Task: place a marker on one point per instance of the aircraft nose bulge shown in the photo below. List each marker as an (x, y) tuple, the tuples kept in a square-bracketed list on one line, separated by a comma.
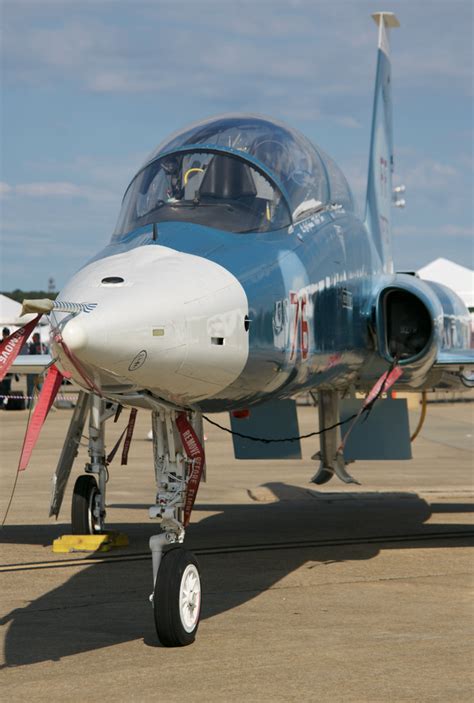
[(75, 336), (175, 327)]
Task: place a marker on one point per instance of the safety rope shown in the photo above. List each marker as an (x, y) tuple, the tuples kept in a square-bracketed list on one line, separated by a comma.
[(267, 440), (376, 392)]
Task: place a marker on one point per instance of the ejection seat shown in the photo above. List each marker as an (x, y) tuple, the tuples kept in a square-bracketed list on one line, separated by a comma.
[(228, 179)]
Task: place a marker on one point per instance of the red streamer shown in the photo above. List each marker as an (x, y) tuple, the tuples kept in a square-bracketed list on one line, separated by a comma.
[(48, 393), (128, 436), (195, 451), (385, 382), (10, 347)]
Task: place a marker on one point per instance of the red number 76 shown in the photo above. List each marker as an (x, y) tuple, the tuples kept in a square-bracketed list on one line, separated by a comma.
[(300, 325)]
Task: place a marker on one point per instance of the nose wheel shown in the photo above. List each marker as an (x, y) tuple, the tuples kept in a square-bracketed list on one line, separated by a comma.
[(177, 598), (85, 513)]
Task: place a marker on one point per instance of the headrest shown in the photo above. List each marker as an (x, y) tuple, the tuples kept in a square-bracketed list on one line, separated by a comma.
[(228, 178)]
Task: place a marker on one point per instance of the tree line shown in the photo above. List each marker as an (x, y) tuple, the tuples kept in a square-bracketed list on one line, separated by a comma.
[(20, 295)]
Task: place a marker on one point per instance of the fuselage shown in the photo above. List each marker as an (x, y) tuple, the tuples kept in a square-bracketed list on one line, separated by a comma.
[(240, 271), (214, 319)]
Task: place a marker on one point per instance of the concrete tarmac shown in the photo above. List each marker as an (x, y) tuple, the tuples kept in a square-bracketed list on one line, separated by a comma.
[(368, 598)]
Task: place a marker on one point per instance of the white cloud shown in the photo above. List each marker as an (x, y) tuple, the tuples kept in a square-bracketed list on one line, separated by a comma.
[(437, 190), (5, 188), (58, 189), (430, 174), (446, 230), (47, 190), (309, 62), (347, 121), (457, 231), (208, 43), (125, 80)]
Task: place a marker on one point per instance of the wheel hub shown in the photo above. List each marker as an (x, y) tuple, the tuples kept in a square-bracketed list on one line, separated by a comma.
[(190, 598), (95, 521)]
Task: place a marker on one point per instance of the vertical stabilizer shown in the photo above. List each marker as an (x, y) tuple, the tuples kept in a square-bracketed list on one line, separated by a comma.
[(379, 185)]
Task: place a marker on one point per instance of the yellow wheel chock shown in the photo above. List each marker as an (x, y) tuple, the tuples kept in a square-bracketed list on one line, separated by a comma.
[(103, 542)]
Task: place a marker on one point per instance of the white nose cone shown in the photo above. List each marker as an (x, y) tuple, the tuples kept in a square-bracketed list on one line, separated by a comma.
[(175, 325)]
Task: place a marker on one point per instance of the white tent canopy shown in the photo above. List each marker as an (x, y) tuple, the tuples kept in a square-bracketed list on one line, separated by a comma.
[(459, 278), (10, 317), (9, 311)]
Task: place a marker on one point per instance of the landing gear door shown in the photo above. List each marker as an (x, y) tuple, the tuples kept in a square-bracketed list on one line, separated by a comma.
[(69, 453), (384, 435), (273, 420)]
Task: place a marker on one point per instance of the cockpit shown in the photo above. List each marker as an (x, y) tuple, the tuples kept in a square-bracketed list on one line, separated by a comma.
[(215, 189), (236, 173)]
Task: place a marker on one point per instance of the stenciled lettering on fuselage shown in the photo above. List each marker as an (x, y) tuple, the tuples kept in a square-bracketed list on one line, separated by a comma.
[(291, 331), (312, 222), (455, 335)]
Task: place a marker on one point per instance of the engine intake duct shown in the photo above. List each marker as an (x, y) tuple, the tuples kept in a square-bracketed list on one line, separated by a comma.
[(408, 325)]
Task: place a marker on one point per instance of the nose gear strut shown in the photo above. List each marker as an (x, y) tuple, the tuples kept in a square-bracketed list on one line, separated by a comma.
[(179, 464)]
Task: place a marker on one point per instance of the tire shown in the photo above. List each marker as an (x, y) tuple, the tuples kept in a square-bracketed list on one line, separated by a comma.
[(177, 615), (83, 499)]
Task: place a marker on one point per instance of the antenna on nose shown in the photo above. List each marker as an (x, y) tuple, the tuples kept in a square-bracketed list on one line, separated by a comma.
[(44, 306)]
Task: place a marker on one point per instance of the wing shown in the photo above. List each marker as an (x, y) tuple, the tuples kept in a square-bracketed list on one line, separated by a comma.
[(456, 360), (30, 363), (452, 370)]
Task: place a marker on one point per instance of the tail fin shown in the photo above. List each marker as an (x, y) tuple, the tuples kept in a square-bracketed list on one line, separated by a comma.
[(379, 186)]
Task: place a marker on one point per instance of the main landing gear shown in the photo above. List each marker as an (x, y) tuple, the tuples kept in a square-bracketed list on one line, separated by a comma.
[(179, 463), (330, 456), (85, 511), (88, 499)]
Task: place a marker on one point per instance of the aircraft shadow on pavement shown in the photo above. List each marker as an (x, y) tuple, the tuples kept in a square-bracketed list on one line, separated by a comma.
[(107, 603)]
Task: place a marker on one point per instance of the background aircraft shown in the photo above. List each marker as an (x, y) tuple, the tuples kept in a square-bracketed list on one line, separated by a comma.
[(239, 275)]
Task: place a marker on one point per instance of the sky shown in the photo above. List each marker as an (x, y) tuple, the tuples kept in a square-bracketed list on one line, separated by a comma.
[(89, 88)]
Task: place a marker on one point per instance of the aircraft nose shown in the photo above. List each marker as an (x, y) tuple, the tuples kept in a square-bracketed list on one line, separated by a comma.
[(122, 333), (174, 326)]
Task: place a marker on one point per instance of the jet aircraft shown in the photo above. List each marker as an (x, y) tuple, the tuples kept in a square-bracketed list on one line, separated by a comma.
[(238, 276)]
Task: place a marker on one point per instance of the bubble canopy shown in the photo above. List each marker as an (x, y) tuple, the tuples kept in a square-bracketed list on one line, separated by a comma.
[(266, 174)]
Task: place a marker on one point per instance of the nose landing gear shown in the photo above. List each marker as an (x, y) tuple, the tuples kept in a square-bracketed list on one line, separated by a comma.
[(179, 464), (88, 501)]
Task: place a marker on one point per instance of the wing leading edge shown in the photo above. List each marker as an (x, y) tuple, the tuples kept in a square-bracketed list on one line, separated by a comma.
[(455, 360)]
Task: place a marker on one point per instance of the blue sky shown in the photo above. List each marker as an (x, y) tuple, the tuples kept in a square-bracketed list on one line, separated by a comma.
[(89, 88)]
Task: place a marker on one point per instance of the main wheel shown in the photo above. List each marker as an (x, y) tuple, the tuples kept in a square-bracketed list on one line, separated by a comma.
[(84, 497), (177, 598)]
